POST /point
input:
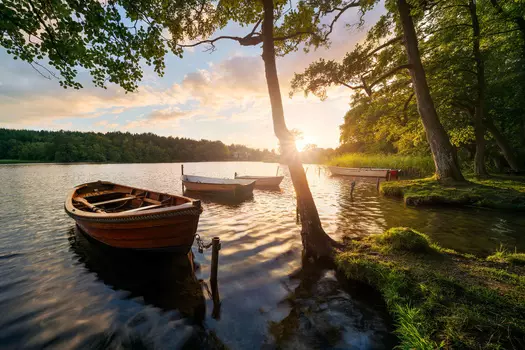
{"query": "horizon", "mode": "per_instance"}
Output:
(215, 96)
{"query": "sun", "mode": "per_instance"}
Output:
(303, 142)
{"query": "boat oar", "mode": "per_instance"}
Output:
(89, 205)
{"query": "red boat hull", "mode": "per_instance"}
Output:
(175, 234)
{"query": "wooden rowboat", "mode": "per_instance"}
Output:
(263, 181)
(360, 172)
(235, 187)
(127, 217)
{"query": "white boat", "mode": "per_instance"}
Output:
(360, 172)
(212, 184)
(263, 181)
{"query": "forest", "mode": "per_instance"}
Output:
(473, 55)
(117, 147)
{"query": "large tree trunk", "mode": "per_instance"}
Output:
(445, 158)
(503, 145)
(316, 242)
(479, 129)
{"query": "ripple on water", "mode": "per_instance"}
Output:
(59, 290)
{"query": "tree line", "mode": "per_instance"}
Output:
(118, 147)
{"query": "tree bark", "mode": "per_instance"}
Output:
(445, 158)
(316, 242)
(479, 115)
(503, 145)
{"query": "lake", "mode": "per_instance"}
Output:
(60, 290)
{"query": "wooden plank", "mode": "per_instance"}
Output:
(115, 200)
(141, 208)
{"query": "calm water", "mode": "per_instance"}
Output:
(59, 290)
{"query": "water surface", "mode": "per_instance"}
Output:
(60, 290)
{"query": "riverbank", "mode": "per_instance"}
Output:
(440, 298)
(503, 192)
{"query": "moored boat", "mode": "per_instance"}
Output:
(364, 172)
(262, 181)
(128, 217)
(236, 187)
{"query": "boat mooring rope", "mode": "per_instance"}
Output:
(200, 244)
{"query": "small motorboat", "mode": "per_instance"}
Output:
(263, 181)
(127, 217)
(364, 172)
(235, 187)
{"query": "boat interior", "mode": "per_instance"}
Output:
(102, 197)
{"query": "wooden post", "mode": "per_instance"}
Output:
(319, 170)
(377, 185)
(182, 173)
(277, 172)
(215, 247)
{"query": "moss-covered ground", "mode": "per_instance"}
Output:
(440, 298)
(495, 192)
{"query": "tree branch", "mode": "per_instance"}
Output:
(388, 43)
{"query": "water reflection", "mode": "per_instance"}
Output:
(326, 314)
(166, 281)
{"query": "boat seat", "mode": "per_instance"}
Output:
(141, 208)
(114, 200)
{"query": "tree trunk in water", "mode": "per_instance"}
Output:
(316, 242)
(445, 158)
(479, 115)
(503, 145)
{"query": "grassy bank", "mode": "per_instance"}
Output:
(440, 298)
(497, 192)
(411, 165)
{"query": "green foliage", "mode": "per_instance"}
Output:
(383, 114)
(117, 147)
(498, 193)
(444, 299)
(404, 239)
(80, 34)
(410, 165)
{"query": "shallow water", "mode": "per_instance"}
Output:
(60, 290)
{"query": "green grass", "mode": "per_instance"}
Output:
(440, 298)
(410, 165)
(496, 192)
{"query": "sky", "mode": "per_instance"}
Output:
(217, 96)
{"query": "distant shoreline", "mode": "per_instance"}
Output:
(26, 162)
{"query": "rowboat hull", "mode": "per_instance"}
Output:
(171, 234)
(170, 229)
(264, 181)
(218, 186)
(359, 172)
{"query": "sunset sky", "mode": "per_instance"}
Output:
(217, 96)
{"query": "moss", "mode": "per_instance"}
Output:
(497, 193)
(404, 239)
(438, 297)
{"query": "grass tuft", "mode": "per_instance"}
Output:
(404, 239)
(502, 255)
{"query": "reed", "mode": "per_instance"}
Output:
(411, 166)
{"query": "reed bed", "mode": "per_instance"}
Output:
(411, 166)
